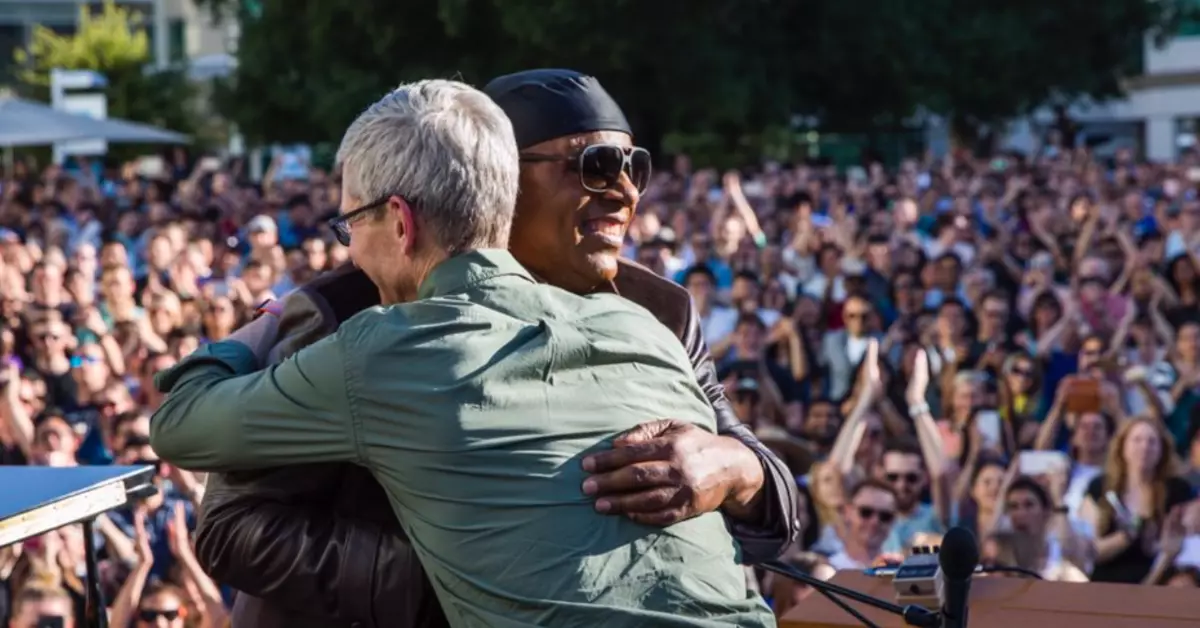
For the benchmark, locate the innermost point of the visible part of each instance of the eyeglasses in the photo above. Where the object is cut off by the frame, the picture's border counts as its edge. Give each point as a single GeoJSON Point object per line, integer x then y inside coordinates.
{"type": "Point", "coordinates": [909, 478]}
{"type": "Point", "coordinates": [341, 223]}
{"type": "Point", "coordinates": [79, 360]}
{"type": "Point", "coordinates": [151, 615]}
{"type": "Point", "coordinates": [1019, 372]}
{"type": "Point", "coordinates": [600, 165]}
{"type": "Point", "coordinates": [868, 513]}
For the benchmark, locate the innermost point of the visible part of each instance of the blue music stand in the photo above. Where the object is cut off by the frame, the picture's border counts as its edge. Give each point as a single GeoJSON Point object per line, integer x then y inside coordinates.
{"type": "Point", "coordinates": [36, 500]}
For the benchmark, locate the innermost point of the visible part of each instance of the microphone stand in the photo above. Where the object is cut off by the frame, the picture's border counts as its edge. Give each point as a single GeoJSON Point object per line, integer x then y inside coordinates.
{"type": "Point", "coordinates": [912, 614]}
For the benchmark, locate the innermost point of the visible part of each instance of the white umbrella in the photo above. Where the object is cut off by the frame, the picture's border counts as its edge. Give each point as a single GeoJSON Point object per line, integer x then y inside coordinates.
{"type": "Point", "coordinates": [28, 123]}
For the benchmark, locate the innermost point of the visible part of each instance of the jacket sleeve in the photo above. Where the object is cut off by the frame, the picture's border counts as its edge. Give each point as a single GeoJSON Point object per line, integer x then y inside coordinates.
{"type": "Point", "coordinates": [765, 539]}
{"type": "Point", "coordinates": [274, 534]}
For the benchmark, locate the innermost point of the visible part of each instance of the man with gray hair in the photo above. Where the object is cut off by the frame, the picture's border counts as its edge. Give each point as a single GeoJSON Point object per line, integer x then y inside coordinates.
{"type": "Point", "coordinates": [474, 404]}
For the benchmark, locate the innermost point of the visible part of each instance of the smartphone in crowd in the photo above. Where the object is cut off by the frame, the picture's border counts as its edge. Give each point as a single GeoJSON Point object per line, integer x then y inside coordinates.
{"type": "Point", "coordinates": [1035, 463]}
{"type": "Point", "coordinates": [987, 423]}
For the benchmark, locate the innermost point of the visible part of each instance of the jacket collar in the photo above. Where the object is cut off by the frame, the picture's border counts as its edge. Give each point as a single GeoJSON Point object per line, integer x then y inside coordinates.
{"type": "Point", "coordinates": [460, 272]}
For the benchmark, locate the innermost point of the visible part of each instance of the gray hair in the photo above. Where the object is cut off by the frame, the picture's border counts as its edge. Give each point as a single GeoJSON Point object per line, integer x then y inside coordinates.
{"type": "Point", "coordinates": [445, 147]}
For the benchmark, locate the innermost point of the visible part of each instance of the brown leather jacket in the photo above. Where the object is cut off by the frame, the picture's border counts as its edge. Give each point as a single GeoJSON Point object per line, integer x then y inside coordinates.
{"type": "Point", "coordinates": [318, 545]}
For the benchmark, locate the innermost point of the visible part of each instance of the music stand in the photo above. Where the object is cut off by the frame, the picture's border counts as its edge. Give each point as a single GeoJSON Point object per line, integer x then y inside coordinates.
{"type": "Point", "coordinates": [36, 500]}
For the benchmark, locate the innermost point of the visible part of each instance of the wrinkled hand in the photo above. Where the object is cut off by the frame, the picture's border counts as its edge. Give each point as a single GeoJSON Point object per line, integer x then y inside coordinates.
{"type": "Point", "coordinates": [665, 471]}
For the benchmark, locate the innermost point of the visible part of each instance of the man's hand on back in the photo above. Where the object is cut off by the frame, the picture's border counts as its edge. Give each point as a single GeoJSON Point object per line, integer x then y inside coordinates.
{"type": "Point", "coordinates": [665, 471]}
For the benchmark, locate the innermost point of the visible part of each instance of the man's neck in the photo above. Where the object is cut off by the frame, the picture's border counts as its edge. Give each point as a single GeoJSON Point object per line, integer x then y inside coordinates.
{"type": "Point", "coordinates": [406, 288]}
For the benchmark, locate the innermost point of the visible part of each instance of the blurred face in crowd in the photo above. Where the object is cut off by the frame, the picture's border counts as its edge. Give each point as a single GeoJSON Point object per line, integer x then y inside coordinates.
{"type": "Point", "coordinates": [1142, 449]}
{"type": "Point", "coordinates": [316, 254]}
{"type": "Point", "coordinates": [906, 473]}
{"type": "Point", "coordinates": [701, 287]}
{"type": "Point", "coordinates": [869, 517]}
{"type": "Point", "coordinates": [951, 322]}
{"type": "Point", "coordinates": [81, 287]}
{"type": "Point", "coordinates": [569, 236]}
{"type": "Point", "coordinates": [165, 313]}
{"type": "Point", "coordinates": [1045, 314]}
{"type": "Point", "coordinates": [90, 368]}
{"type": "Point", "coordinates": [1091, 434]}
{"type": "Point", "coordinates": [258, 277]}
{"type": "Point", "coordinates": [161, 253]}
{"type": "Point", "coordinates": [31, 611]}
{"type": "Point", "coordinates": [1026, 511]}
{"type": "Point", "coordinates": [113, 254]}
{"type": "Point", "coordinates": [821, 424]}
{"type": "Point", "coordinates": [47, 284]}
{"type": "Point", "coordinates": [1187, 342]}
{"type": "Point", "coordinates": [117, 285]}
{"type": "Point", "coordinates": [1020, 376]}
{"type": "Point", "coordinates": [1090, 353]}
{"type": "Point", "coordinates": [945, 273]}
{"type": "Point", "coordinates": [219, 315]}
{"type": "Point", "coordinates": [163, 609]}
{"type": "Point", "coordinates": [54, 443]}
{"type": "Point", "coordinates": [730, 234]}
{"type": "Point", "coordinates": [856, 313]}
{"type": "Point", "coordinates": [968, 395]}
{"type": "Point", "coordinates": [993, 320]}
{"type": "Point", "coordinates": [985, 490]}
{"type": "Point", "coordinates": [744, 294]}
{"type": "Point", "coordinates": [749, 341]}
{"type": "Point", "coordinates": [50, 338]}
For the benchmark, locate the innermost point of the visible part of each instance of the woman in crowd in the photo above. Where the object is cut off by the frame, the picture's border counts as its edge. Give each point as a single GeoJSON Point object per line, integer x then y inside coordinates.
{"type": "Point", "coordinates": [1128, 504]}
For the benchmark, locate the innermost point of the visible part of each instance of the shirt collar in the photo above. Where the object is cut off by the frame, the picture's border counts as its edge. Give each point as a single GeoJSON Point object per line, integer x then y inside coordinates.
{"type": "Point", "coordinates": [464, 270]}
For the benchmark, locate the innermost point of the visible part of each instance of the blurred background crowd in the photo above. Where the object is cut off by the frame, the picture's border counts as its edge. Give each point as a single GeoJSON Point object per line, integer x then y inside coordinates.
{"type": "Point", "coordinates": [931, 329]}
{"type": "Point", "coordinates": [1009, 343]}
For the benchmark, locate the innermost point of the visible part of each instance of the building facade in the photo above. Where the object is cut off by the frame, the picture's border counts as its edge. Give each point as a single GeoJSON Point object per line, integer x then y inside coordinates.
{"type": "Point", "coordinates": [190, 32]}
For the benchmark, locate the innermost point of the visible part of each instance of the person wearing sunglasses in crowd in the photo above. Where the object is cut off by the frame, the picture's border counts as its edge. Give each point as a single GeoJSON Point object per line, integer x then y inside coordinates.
{"type": "Point", "coordinates": [318, 545]}
{"type": "Point", "coordinates": [870, 512]}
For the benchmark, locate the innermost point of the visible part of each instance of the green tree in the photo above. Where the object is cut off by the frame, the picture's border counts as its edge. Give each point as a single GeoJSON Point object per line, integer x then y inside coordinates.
{"type": "Point", "coordinates": [1005, 58]}
{"type": "Point", "coordinates": [306, 69]}
{"type": "Point", "coordinates": [114, 43]}
{"type": "Point", "coordinates": [724, 68]}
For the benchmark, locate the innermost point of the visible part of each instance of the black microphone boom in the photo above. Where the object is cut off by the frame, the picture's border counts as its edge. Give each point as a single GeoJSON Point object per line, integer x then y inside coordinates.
{"type": "Point", "coordinates": [913, 615]}
{"type": "Point", "coordinates": [958, 558]}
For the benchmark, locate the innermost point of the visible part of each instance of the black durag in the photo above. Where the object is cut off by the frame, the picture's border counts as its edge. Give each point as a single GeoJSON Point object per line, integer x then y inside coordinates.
{"type": "Point", "coordinates": [548, 104]}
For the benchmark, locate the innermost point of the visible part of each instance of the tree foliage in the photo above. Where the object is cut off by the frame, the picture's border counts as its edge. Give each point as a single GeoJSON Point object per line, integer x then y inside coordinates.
{"type": "Point", "coordinates": [716, 66]}
{"type": "Point", "coordinates": [114, 43]}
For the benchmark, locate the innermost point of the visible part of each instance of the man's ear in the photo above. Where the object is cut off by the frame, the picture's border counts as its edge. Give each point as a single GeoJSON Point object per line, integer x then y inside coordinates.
{"type": "Point", "coordinates": [406, 223]}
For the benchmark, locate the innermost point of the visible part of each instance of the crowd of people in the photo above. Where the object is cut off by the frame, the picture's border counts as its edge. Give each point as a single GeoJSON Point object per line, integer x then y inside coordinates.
{"type": "Point", "coordinates": [1009, 344]}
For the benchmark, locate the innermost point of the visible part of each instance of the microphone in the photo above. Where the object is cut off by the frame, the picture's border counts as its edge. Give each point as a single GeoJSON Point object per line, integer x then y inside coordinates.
{"type": "Point", "coordinates": [958, 558]}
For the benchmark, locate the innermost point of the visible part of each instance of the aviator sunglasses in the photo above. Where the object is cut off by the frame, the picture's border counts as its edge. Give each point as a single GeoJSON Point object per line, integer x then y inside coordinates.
{"type": "Point", "coordinates": [600, 165]}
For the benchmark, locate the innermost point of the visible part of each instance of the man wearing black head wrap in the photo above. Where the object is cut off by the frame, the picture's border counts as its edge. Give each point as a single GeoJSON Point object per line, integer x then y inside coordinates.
{"type": "Point", "coordinates": [319, 546]}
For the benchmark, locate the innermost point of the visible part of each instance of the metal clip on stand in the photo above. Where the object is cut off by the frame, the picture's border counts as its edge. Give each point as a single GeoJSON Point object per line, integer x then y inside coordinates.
{"type": "Point", "coordinates": [37, 500]}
